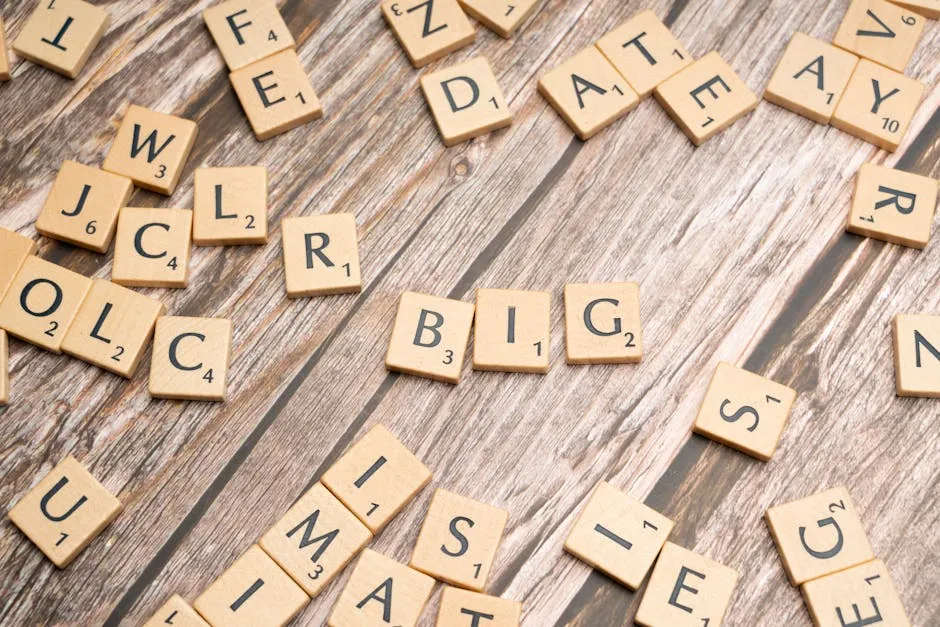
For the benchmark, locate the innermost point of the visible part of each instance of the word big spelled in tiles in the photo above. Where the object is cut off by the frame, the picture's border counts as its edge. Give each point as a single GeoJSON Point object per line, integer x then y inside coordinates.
{"type": "Point", "coordinates": [466, 101]}
{"type": "Point", "coordinates": [61, 34]}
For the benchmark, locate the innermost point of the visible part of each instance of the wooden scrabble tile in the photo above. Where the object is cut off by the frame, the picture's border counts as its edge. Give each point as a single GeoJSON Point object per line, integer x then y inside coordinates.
{"type": "Point", "coordinates": [316, 539]}
{"type": "Point", "coordinates": [818, 535]}
{"type": "Point", "coordinates": [42, 302]}
{"type": "Point", "coordinates": [880, 31]}
{"type": "Point", "coordinates": [4, 56]}
{"type": "Point", "coordinates": [878, 105]}
{"type": "Point", "coordinates": [466, 101]}
{"type": "Point", "coordinates": [376, 478]}
{"type": "Point", "coordinates": [686, 590]}
{"type": "Point", "coordinates": [588, 92]}
{"type": "Point", "coordinates": [61, 34]}
{"type": "Point", "coordinates": [893, 205]}
{"type": "Point", "coordinates": [602, 323]}
{"type": "Point", "coordinates": [4, 368]}
{"type": "Point", "coordinates": [66, 510]}
{"type": "Point", "coordinates": [176, 612]}
{"type": "Point", "coordinates": [810, 78]}
{"type": "Point", "coordinates": [230, 206]}
{"type": "Point", "coordinates": [927, 8]}
{"type": "Point", "coordinates": [618, 535]}
{"type": "Point", "coordinates": [463, 608]}
{"type": "Point", "coordinates": [152, 247]}
{"type": "Point", "coordinates": [247, 31]}
{"type": "Point", "coordinates": [917, 355]}
{"type": "Point", "coordinates": [321, 255]}
{"type": "Point", "coordinates": [112, 328]}
{"type": "Point", "coordinates": [430, 337]}
{"type": "Point", "coordinates": [645, 52]}
{"type": "Point", "coordinates": [512, 331]}
{"type": "Point", "coordinates": [502, 17]}
{"type": "Point", "coordinates": [705, 98]}
{"type": "Point", "coordinates": [14, 249]}
{"type": "Point", "coordinates": [82, 208]}
{"type": "Point", "coordinates": [458, 540]}
{"type": "Point", "coordinates": [253, 592]}
{"type": "Point", "coordinates": [744, 411]}
{"type": "Point", "coordinates": [381, 591]}
{"type": "Point", "coordinates": [428, 29]}
{"type": "Point", "coordinates": [190, 358]}
{"type": "Point", "coordinates": [151, 149]}
{"type": "Point", "coordinates": [864, 595]}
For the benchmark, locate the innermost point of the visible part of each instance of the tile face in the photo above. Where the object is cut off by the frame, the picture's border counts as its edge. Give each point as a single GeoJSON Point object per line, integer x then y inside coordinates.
{"type": "Point", "coordinates": [176, 612]}
{"type": "Point", "coordinates": [61, 35]}
{"type": "Point", "coordinates": [65, 511]}
{"type": "Point", "coordinates": [315, 540]}
{"type": "Point", "coordinates": [82, 208]}
{"type": "Point", "coordinates": [512, 331]}
{"type": "Point", "coordinates": [112, 328]}
{"type": "Point", "coordinates": [152, 247]}
{"type": "Point", "coordinates": [880, 31]}
{"type": "Point", "coordinates": [42, 302]}
{"type": "Point", "coordinates": [686, 590]}
{"type": "Point", "coordinates": [864, 595]}
{"type": "Point", "coordinates": [4, 368]}
{"type": "Point", "coordinates": [230, 206]}
{"type": "Point", "coordinates": [376, 477]}
{"type": "Point", "coordinates": [462, 608]}
{"type": "Point", "coordinates": [745, 411]}
{"type": "Point", "coordinates": [917, 355]}
{"type": "Point", "coordinates": [190, 358]}
{"type": "Point", "coordinates": [253, 592]}
{"type": "Point", "coordinates": [381, 591]}
{"type": "Point", "coordinates": [500, 16]}
{"type": "Point", "coordinates": [247, 30]}
{"type": "Point", "coordinates": [618, 535]}
{"type": "Point", "coordinates": [588, 92]}
{"type": "Point", "coordinates": [428, 29]}
{"type": "Point", "coordinates": [466, 101]}
{"type": "Point", "coordinates": [927, 8]}
{"type": "Point", "coordinates": [878, 105]}
{"type": "Point", "coordinates": [602, 323]}
{"type": "Point", "coordinates": [644, 51]}
{"type": "Point", "coordinates": [810, 78]}
{"type": "Point", "coordinates": [276, 94]}
{"type": "Point", "coordinates": [14, 249]}
{"type": "Point", "coordinates": [705, 98]}
{"type": "Point", "coordinates": [321, 255]}
{"type": "Point", "coordinates": [4, 55]}
{"type": "Point", "coordinates": [893, 205]}
{"type": "Point", "coordinates": [151, 149]}
{"type": "Point", "coordinates": [818, 535]}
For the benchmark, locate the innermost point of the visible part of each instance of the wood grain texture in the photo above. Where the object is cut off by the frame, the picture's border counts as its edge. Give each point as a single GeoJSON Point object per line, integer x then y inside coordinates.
{"type": "Point", "coordinates": [738, 246]}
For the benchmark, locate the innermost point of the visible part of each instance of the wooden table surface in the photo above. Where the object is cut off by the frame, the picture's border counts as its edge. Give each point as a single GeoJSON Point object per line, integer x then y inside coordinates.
{"type": "Point", "coordinates": [739, 247]}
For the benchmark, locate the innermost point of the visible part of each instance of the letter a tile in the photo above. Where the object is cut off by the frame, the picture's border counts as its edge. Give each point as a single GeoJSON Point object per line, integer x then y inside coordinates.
{"type": "Point", "coordinates": [321, 255]}
{"type": "Point", "coordinates": [61, 35]}
{"type": "Point", "coordinates": [428, 29]}
{"type": "Point", "coordinates": [602, 323]}
{"type": "Point", "coordinates": [893, 205]}
{"type": "Point", "coordinates": [176, 612]}
{"type": "Point", "coordinates": [917, 355]}
{"type": "Point", "coordinates": [190, 358]}
{"type": "Point", "coordinates": [880, 31]}
{"type": "Point", "coordinates": [864, 595]}
{"type": "Point", "coordinates": [512, 331]}
{"type": "Point", "coordinates": [247, 31]}
{"type": "Point", "coordinates": [463, 608]}
{"type": "Point", "coordinates": [14, 249]}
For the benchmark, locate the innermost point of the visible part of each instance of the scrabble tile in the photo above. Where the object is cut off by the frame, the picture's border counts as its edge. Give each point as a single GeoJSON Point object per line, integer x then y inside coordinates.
{"type": "Point", "coordinates": [230, 206]}
{"type": "Point", "coordinates": [878, 105]}
{"type": "Point", "coordinates": [810, 78]}
{"type": "Point", "coordinates": [112, 328]}
{"type": "Point", "coordinates": [618, 535]}
{"type": "Point", "coordinates": [315, 540]}
{"type": "Point", "coordinates": [190, 358]}
{"type": "Point", "coordinates": [247, 31]}
{"type": "Point", "coordinates": [864, 595]}
{"type": "Point", "coordinates": [42, 302]}
{"type": "Point", "coordinates": [14, 249]}
{"type": "Point", "coordinates": [917, 355]}
{"type": "Point", "coordinates": [686, 590]}
{"type": "Point", "coordinates": [381, 591]}
{"type": "Point", "coordinates": [152, 247]}
{"type": "Point", "coordinates": [511, 331]}
{"type": "Point", "coordinates": [376, 478]}
{"type": "Point", "coordinates": [602, 323]}
{"type": "Point", "coordinates": [893, 205]}
{"type": "Point", "coordinates": [502, 17]}
{"type": "Point", "coordinates": [151, 149]}
{"type": "Point", "coordinates": [66, 510]}
{"type": "Point", "coordinates": [744, 411]}
{"type": "Point", "coordinates": [4, 55]}
{"type": "Point", "coordinates": [176, 612]}
{"type": "Point", "coordinates": [644, 51]}
{"type": "Point", "coordinates": [880, 31]}
{"type": "Point", "coordinates": [927, 8]}
{"type": "Point", "coordinates": [321, 255]}
{"type": "Point", "coordinates": [705, 98]}
{"type": "Point", "coordinates": [588, 92]}
{"type": "Point", "coordinates": [818, 535]}
{"type": "Point", "coordinates": [4, 368]}
{"type": "Point", "coordinates": [463, 608]}
{"type": "Point", "coordinates": [82, 208]}
{"type": "Point", "coordinates": [428, 29]}
{"type": "Point", "coordinates": [253, 592]}
{"type": "Point", "coordinates": [466, 101]}
{"type": "Point", "coordinates": [61, 34]}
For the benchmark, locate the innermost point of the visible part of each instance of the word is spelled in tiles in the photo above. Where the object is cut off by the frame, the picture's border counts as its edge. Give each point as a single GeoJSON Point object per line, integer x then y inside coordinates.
{"type": "Point", "coordinates": [466, 101]}
{"type": "Point", "coordinates": [14, 249]}
{"type": "Point", "coordinates": [602, 323]}
{"type": "Point", "coordinates": [176, 612]}
{"type": "Point", "coordinates": [4, 368]}
{"type": "Point", "coordinates": [152, 247]}
{"type": "Point", "coordinates": [893, 205]}
{"type": "Point", "coordinates": [512, 330]}
{"type": "Point", "coordinates": [463, 608]}
{"type": "Point", "coordinates": [618, 535]}
{"type": "Point", "coordinates": [502, 17]}
{"type": "Point", "coordinates": [376, 478]}
{"type": "Point", "coordinates": [190, 358]}
{"type": "Point", "coordinates": [864, 595]}
{"type": "Point", "coordinates": [4, 55]}
{"type": "Point", "coordinates": [230, 206]}
{"type": "Point", "coordinates": [321, 255]}
{"type": "Point", "coordinates": [428, 29]}
{"type": "Point", "coordinates": [65, 511]}
{"type": "Point", "coordinates": [61, 35]}
{"type": "Point", "coordinates": [880, 31]}
{"type": "Point", "coordinates": [917, 355]}
{"type": "Point", "coordinates": [818, 535]}
{"type": "Point", "coordinates": [246, 31]}
{"type": "Point", "coordinates": [927, 8]}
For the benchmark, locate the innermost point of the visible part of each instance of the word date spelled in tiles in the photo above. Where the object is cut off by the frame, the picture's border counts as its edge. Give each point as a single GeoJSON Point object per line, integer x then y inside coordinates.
{"type": "Point", "coordinates": [152, 247]}
{"type": "Point", "coordinates": [14, 249]}
{"type": "Point", "coordinates": [917, 355]}
{"type": "Point", "coordinates": [247, 31]}
{"type": "Point", "coordinates": [321, 255]}
{"type": "Point", "coordinates": [190, 358]}
{"type": "Point", "coordinates": [864, 595]}
{"type": "Point", "coordinates": [230, 206]}
{"type": "Point", "coordinates": [500, 16]}
{"type": "Point", "coordinates": [602, 323]}
{"type": "Point", "coordinates": [428, 29]}
{"type": "Point", "coordinates": [466, 101]}
{"type": "Point", "coordinates": [176, 612]}
{"type": "Point", "coordinates": [893, 205]}
{"type": "Point", "coordinates": [4, 368]}
{"type": "Point", "coordinates": [880, 31]}
{"type": "Point", "coordinates": [61, 34]}
{"type": "Point", "coordinates": [511, 331]}
{"type": "Point", "coordinates": [4, 56]}
{"type": "Point", "coordinates": [463, 608]}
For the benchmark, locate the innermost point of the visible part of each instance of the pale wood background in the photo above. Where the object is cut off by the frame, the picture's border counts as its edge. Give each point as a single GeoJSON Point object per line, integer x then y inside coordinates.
{"type": "Point", "coordinates": [739, 248]}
